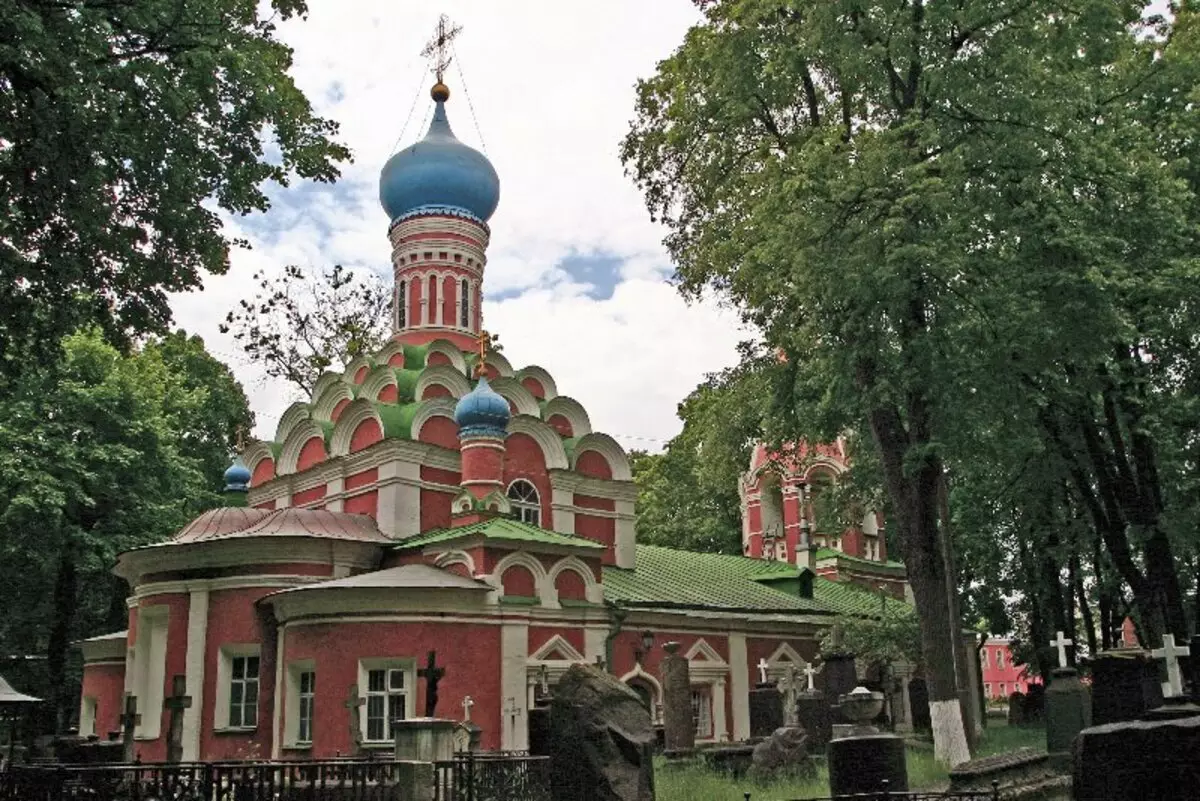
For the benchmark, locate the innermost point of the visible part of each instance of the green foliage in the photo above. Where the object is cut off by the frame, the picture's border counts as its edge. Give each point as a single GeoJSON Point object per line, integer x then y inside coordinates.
{"type": "Point", "coordinates": [127, 128]}
{"type": "Point", "coordinates": [299, 325]}
{"type": "Point", "coordinates": [893, 637]}
{"type": "Point", "coordinates": [105, 453]}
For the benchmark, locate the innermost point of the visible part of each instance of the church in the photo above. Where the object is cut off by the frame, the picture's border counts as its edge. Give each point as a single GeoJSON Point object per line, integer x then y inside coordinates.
{"type": "Point", "coordinates": [440, 532]}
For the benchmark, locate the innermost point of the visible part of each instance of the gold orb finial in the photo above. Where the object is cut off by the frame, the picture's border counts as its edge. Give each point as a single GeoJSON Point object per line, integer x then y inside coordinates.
{"type": "Point", "coordinates": [440, 92]}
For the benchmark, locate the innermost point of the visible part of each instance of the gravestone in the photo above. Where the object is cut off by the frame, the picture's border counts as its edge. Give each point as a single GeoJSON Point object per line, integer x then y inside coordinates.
{"type": "Point", "coordinates": [1068, 704]}
{"type": "Point", "coordinates": [1125, 686]}
{"type": "Point", "coordinates": [918, 698]}
{"type": "Point", "coordinates": [783, 754]}
{"type": "Point", "coordinates": [175, 705]}
{"type": "Point", "coordinates": [1153, 760]}
{"type": "Point", "coordinates": [130, 720]}
{"type": "Point", "coordinates": [841, 677]}
{"type": "Point", "coordinates": [602, 743]}
{"type": "Point", "coordinates": [353, 704]}
{"type": "Point", "coordinates": [679, 727]}
{"type": "Point", "coordinates": [432, 675]}
{"type": "Point", "coordinates": [863, 763]}
{"type": "Point", "coordinates": [812, 712]}
{"type": "Point", "coordinates": [766, 710]}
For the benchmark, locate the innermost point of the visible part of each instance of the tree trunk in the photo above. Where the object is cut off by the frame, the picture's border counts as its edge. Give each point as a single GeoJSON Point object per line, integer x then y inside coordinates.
{"type": "Point", "coordinates": [1085, 609]}
{"type": "Point", "coordinates": [61, 624]}
{"type": "Point", "coordinates": [914, 499]}
{"type": "Point", "coordinates": [962, 673]}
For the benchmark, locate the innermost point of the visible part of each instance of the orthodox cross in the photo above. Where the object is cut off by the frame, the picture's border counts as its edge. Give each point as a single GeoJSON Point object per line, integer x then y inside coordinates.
{"type": "Point", "coordinates": [513, 712]}
{"type": "Point", "coordinates": [467, 703]}
{"type": "Point", "coordinates": [432, 675]}
{"type": "Point", "coordinates": [438, 48]}
{"type": "Point", "coordinates": [1061, 644]}
{"type": "Point", "coordinates": [353, 703]}
{"type": "Point", "coordinates": [130, 719]}
{"type": "Point", "coordinates": [178, 702]}
{"type": "Point", "coordinates": [1170, 653]}
{"type": "Point", "coordinates": [787, 688]}
{"type": "Point", "coordinates": [809, 672]}
{"type": "Point", "coordinates": [763, 666]}
{"type": "Point", "coordinates": [484, 342]}
{"type": "Point", "coordinates": [543, 681]}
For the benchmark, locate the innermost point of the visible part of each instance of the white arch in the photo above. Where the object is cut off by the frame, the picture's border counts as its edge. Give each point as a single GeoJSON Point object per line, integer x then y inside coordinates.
{"type": "Point", "coordinates": [327, 401]}
{"type": "Point", "coordinates": [326, 380]}
{"type": "Point", "coordinates": [822, 464]}
{"type": "Point", "coordinates": [379, 379]}
{"type": "Point", "coordinates": [542, 377]}
{"type": "Point", "coordinates": [545, 436]}
{"type": "Point", "coordinates": [354, 366]}
{"type": "Point", "coordinates": [592, 589]}
{"type": "Point", "coordinates": [524, 559]}
{"type": "Point", "coordinates": [502, 365]}
{"type": "Point", "coordinates": [607, 447]}
{"type": "Point", "coordinates": [255, 453]}
{"type": "Point", "coordinates": [640, 673]}
{"type": "Point", "coordinates": [293, 416]}
{"type": "Point", "coordinates": [786, 653]}
{"type": "Point", "coordinates": [434, 407]}
{"type": "Point", "coordinates": [300, 434]}
{"type": "Point", "coordinates": [577, 416]}
{"type": "Point", "coordinates": [447, 348]}
{"type": "Point", "coordinates": [449, 558]}
{"type": "Point", "coordinates": [390, 349]}
{"type": "Point", "coordinates": [343, 431]}
{"type": "Point", "coordinates": [511, 390]}
{"type": "Point", "coordinates": [444, 375]}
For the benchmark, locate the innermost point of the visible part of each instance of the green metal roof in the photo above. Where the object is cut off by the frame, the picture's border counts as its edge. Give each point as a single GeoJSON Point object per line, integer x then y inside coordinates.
{"type": "Point", "coordinates": [503, 529]}
{"type": "Point", "coordinates": [665, 577]}
{"type": "Point", "coordinates": [887, 567]}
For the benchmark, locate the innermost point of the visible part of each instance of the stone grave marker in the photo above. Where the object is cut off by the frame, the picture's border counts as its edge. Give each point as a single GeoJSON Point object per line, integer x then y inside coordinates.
{"type": "Point", "coordinates": [1170, 653]}
{"type": "Point", "coordinates": [354, 703]}
{"type": "Point", "coordinates": [1068, 704]}
{"type": "Point", "coordinates": [1125, 686]}
{"type": "Point", "coordinates": [679, 726]}
{"type": "Point", "coordinates": [130, 720]}
{"type": "Point", "coordinates": [1155, 760]}
{"type": "Point", "coordinates": [812, 712]}
{"type": "Point", "coordinates": [176, 704]}
{"type": "Point", "coordinates": [432, 675]}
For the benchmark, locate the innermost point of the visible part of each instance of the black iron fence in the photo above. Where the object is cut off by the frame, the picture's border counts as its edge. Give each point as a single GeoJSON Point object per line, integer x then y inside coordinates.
{"type": "Point", "coordinates": [337, 780]}
{"type": "Point", "coordinates": [493, 776]}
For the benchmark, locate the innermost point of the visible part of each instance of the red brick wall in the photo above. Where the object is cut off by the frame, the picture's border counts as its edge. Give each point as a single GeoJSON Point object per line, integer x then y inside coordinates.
{"type": "Point", "coordinates": [263, 471]}
{"type": "Point", "coordinates": [518, 581]}
{"type": "Point", "coordinates": [311, 454]}
{"type": "Point", "coordinates": [591, 463]}
{"type": "Point", "coordinates": [310, 495]}
{"type": "Point", "coordinates": [233, 620]}
{"type": "Point", "coordinates": [105, 683]}
{"type": "Point", "coordinates": [366, 434]}
{"type": "Point", "coordinates": [524, 459]}
{"type": "Point", "coordinates": [441, 431]}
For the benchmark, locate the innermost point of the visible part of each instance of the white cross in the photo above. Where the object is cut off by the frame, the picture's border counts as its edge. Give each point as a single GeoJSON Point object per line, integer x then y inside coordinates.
{"type": "Point", "coordinates": [1061, 644]}
{"type": "Point", "coordinates": [763, 666]}
{"type": "Point", "coordinates": [1170, 653]}
{"type": "Point", "coordinates": [467, 703]}
{"type": "Point", "coordinates": [808, 674]}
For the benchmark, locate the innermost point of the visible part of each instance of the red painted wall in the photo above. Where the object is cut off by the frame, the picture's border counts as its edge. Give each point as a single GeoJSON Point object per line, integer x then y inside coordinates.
{"type": "Point", "coordinates": [435, 391]}
{"type": "Point", "coordinates": [396, 359]}
{"type": "Point", "coordinates": [590, 502]}
{"type": "Point", "coordinates": [310, 495]}
{"type": "Point", "coordinates": [535, 388]}
{"type": "Point", "coordinates": [361, 374]}
{"type": "Point", "coordinates": [365, 504]}
{"type": "Point", "coordinates": [518, 581]}
{"type": "Point", "coordinates": [312, 453]}
{"type": "Point", "coordinates": [389, 394]}
{"type": "Point", "coordinates": [524, 459]}
{"type": "Point", "coordinates": [338, 409]}
{"type": "Point", "coordinates": [176, 664]}
{"type": "Point", "coordinates": [1013, 677]}
{"type": "Point", "coordinates": [435, 509]}
{"type": "Point", "coordinates": [449, 297]}
{"type": "Point", "coordinates": [591, 463]}
{"type": "Point", "coordinates": [362, 479]}
{"type": "Point", "coordinates": [105, 683]}
{"type": "Point", "coordinates": [599, 529]}
{"type": "Point", "coordinates": [440, 431]}
{"type": "Point", "coordinates": [433, 298]}
{"type": "Point", "coordinates": [561, 425]}
{"type": "Point", "coordinates": [416, 291]}
{"type": "Point", "coordinates": [263, 471]}
{"type": "Point", "coordinates": [366, 434]}
{"type": "Point", "coordinates": [436, 358]}
{"type": "Point", "coordinates": [472, 668]}
{"type": "Point", "coordinates": [570, 586]}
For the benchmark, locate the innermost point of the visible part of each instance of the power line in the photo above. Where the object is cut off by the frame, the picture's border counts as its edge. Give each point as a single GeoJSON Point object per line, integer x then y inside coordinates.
{"type": "Point", "coordinates": [467, 94]}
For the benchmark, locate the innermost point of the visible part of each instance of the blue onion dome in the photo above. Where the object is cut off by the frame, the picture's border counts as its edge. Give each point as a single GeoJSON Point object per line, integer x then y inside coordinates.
{"type": "Point", "coordinates": [482, 411]}
{"type": "Point", "coordinates": [439, 173]}
{"type": "Point", "coordinates": [237, 477]}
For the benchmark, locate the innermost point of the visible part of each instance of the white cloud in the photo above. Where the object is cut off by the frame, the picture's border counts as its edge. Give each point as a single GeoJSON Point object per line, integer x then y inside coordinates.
{"type": "Point", "coordinates": [552, 85]}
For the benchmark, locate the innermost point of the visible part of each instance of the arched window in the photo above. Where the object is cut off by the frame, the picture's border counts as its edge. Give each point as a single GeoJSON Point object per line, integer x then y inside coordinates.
{"type": "Point", "coordinates": [402, 305]}
{"type": "Point", "coordinates": [526, 504]}
{"type": "Point", "coordinates": [464, 314]}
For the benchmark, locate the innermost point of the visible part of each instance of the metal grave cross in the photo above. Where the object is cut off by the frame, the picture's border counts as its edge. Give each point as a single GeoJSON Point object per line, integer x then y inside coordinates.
{"type": "Point", "coordinates": [178, 702]}
{"type": "Point", "coordinates": [432, 675]}
{"type": "Point", "coordinates": [512, 712]}
{"type": "Point", "coordinates": [763, 666]}
{"type": "Point", "coordinates": [130, 720]}
{"type": "Point", "coordinates": [467, 703]}
{"type": "Point", "coordinates": [809, 673]}
{"type": "Point", "coordinates": [1170, 653]}
{"type": "Point", "coordinates": [1060, 642]}
{"type": "Point", "coordinates": [354, 702]}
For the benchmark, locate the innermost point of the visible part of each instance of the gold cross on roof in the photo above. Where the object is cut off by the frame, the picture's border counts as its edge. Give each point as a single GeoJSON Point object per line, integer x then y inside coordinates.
{"type": "Point", "coordinates": [438, 48]}
{"type": "Point", "coordinates": [484, 342]}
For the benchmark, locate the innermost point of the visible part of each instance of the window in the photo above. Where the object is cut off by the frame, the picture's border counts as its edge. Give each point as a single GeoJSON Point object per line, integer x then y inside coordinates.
{"type": "Point", "coordinates": [464, 313]}
{"type": "Point", "coordinates": [243, 692]}
{"type": "Point", "coordinates": [1003, 693]}
{"type": "Point", "coordinates": [987, 689]}
{"type": "Point", "coordinates": [999, 657]}
{"type": "Point", "coordinates": [526, 505]}
{"type": "Point", "coordinates": [983, 657]}
{"type": "Point", "coordinates": [702, 712]}
{"type": "Point", "coordinates": [308, 691]}
{"type": "Point", "coordinates": [402, 305]}
{"type": "Point", "coordinates": [387, 702]}
{"type": "Point", "coordinates": [87, 716]}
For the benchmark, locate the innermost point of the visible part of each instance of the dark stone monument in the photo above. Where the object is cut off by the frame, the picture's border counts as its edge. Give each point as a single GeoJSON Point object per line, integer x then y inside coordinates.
{"type": "Point", "coordinates": [783, 754]}
{"type": "Point", "coordinates": [813, 715]}
{"type": "Point", "coordinates": [841, 677]}
{"type": "Point", "coordinates": [862, 764]}
{"type": "Point", "coordinates": [1125, 686]}
{"type": "Point", "coordinates": [766, 710]}
{"type": "Point", "coordinates": [1157, 760]}
{"type": "Point", "coordinates": [1068, 710]}
{"type": "Point", "coordinates": [130, 720]}
{"type": "Point", "coordinates": [1194, 668]}
{"type": "Point", "coordinates": [432, 675]}
{"type": "Point", "coordinates": [679, 728]}
{"type": "Point", "coordinates": [601, 740]}
{"type": "Point", "coordinates": [918, 699]}
{"type": "Point", "coordinates": [175, 705]}
{"type": "Point", "coordinates": [539, 731]}
{"type": "Point", "coordinates": [1016, 708]}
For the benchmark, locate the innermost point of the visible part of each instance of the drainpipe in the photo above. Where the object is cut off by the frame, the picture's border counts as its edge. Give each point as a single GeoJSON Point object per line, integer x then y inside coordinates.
{"type": "Point", "coordinates": [617, 617]}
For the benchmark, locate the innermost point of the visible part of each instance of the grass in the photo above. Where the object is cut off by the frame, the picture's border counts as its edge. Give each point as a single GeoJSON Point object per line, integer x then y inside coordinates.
{"type": "Point", "coordinates": [692, 781]}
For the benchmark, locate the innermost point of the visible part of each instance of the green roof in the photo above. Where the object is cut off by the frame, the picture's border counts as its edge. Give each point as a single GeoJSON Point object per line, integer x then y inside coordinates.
{"type": "Point", "coordinates": [887, 567]}
{"type": "Point", "coordinates": [667, 578]}
{"type": "Point", "coordinates": [503, 529]}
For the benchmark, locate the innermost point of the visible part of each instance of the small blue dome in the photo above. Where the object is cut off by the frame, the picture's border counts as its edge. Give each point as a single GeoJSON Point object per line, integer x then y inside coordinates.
{"type": "Point", "coordinates": [237, 476]}
{"type": "Point", "coordinates": [439, 172]}
{"type": "Point", "coordinates": [482, 412]}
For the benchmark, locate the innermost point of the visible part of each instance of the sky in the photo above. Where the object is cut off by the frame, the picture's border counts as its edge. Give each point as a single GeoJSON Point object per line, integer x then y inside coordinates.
{"type": "Point", "coordinates": [577, 279]}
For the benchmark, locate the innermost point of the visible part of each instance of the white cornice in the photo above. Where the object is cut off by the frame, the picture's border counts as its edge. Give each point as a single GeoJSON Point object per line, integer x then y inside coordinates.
{"type": "Point", "coordinates": [236, 552]}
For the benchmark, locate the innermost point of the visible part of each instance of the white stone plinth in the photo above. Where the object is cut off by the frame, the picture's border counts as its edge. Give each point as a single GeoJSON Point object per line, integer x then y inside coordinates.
{"type": "Point", "coordinates": [425, 739]}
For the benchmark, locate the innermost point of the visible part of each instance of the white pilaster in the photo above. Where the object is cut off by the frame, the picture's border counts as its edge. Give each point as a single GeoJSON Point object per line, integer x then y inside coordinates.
{"type": "Point", "coordinates": [277, 712]}
{"type": "Point", "coordinates": [399, 502]}
{"type": "Point", "coordinates": [197, 638]}
{"type": "Point", "coordinates": [514, 657]}
{"type": "Point", "coordinates": [562, 504]}
{"type": "Point", "coordinates": [720, 727]}
{"type": "Point", "coordinates": [335, 486]}
{"type": "Point", "coordinates": [594, 638]}
{"type": "Point", "coordinates": [739, 685]}
{"type": "Point", "coordinates": [626, 536]}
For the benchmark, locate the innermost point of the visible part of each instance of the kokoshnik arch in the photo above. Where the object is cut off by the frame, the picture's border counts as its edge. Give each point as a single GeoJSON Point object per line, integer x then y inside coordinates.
{"type": "Point", "coordinates": [433, 497]}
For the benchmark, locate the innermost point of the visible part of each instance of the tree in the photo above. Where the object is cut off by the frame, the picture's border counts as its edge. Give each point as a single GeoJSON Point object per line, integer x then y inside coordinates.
{"type": "Point", "coordinates": [912, 199]}
{"type": "Point", "coordinates": [127, 128]}
{"type": "Point", "coordinates": [105, 453]}
{"type": "Point", "coordinates": [299, 325]}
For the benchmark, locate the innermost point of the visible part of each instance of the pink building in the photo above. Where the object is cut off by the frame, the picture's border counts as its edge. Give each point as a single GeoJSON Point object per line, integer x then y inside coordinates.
{"type": "Point", "coordinates": [1002, 675]}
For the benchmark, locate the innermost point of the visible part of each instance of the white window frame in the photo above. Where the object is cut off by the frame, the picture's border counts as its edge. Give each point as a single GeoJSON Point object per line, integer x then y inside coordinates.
{"type": "Point", "coordinates": [464, 303]}
{"type": "Point", "coordinates": [402, 304]}
{"type": "Point", "coordinates": [1000, 658]}
{"type": "Point", "coordinates": [88, 711]}
{"type": "Point", "coordinates": [295, 703]}
{"type": "Point", "coordinates": [1003, 691]}
{"type": "Point", "coordinates": [983, 658]}
{"type": "Point", "coordinates": [702, 711]}
{"type": "Point", "coordinates": [408, 667]}
{"type": "Point", "coordinates": [228, 653]}
{"type": "Point", "coordinates": [987, 689]}
{"type": "Point", "coordinates": [525, 509]}
{"type": "Point", "coordinates": [150, 666]}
